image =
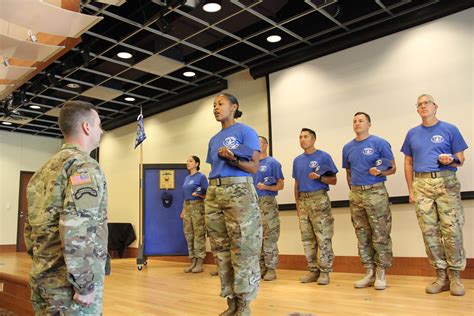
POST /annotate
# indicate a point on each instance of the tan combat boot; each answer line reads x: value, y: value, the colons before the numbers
x: 270, y: 275
x: 380, y: 281
x: 214, y: 273
x: 323, y: 278
x: 455, y: 284
x: 312, y: 276
x: 441, y: 284
x: 367, y: 280
x: 232, y: 307
x: 198, y: 267
x: 243, y: 307
x: 190, y: 268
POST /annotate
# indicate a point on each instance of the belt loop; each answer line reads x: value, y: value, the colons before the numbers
x: 433, y: 175
x: 218, y: 182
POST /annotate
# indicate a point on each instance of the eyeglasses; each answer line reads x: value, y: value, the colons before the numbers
x: 420, y: 104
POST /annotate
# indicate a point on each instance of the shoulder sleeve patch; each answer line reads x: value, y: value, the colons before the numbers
x: 80, y: 179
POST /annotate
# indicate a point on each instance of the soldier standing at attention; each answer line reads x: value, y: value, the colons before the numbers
x: 314, y: 171
x: 364, y: 158
x: 232, y: 214
x: 433, y: 152
x: 66, y: 229
x: 194, y: 189
x: 268, y: 181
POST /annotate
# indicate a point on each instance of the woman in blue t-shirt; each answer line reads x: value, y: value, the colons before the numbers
x: 194, y: 189
x: 232, y: 214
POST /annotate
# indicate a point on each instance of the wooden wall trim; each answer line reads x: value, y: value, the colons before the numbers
x: 7, y: 248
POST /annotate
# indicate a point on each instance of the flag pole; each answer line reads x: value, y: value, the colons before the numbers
x: 141, y: 259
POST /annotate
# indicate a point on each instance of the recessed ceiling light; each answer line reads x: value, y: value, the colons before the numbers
x: 35, y: 107
x: 129, y: 99
x: 212, y: 6
x: 274, y: 38
x: 6, y: 123
x: 124, y: 55
x: 189, y: 73
x: 73, y: 85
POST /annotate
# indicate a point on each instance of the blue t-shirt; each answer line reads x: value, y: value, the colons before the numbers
x: 360, y: 156
x: 425, y: 144
x: 269, y: 171
x: 304, y: 164
x: 230, y: 137
x: 192, y: 183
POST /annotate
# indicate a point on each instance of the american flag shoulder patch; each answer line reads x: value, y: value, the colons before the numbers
x: 79, y: 179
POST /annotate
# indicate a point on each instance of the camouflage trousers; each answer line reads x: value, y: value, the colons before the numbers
x: 441, y: 218
x: 235, y: 232
x: 317, y: 228
x: 372, y: 221
x: 271, y: 231
x: 58, y: 301
x: 195, y: 228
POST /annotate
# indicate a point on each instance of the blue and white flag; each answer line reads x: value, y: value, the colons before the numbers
x: 141, y: 136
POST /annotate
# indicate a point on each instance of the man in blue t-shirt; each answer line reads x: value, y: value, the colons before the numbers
x: 433, y: 152
x: 268, y: 181
x: 363, y: 159
x: 314, y: 171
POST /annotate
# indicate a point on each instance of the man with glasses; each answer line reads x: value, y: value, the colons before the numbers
x: 433, y: 152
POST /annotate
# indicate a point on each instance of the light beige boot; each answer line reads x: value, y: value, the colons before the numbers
x: 198, y: 267
x: 455, y: 284
x: 380, y: 281
x: 243, y: 307
x: 191, y: 267
x: 441, y: 284
x: 323, y: 278
x: 367, y: 280
x: 231, y: 307
x: 270, y: 275
x: 312, y: 276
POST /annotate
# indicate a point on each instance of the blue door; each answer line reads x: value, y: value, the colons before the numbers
x: 162, y: 227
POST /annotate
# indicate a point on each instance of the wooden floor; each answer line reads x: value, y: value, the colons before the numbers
x: 161, y: 288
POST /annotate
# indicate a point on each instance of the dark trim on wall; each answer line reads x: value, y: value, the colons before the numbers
x: 7, y: 248
x: 269, y: 116
x: 467, y: 195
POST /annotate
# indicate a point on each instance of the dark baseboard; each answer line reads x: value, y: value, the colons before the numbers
x: 7, y: 248
x: 417, y: 266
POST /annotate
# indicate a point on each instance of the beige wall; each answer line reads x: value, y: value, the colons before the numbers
x: 18, y: 152
x: 178, y: 133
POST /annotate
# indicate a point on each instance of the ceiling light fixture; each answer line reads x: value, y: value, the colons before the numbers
x: 274, y: 38
x: 35, y: 107
x: 73, y: 85
x: 124, y: 55
x: 189, y: 74
x: 6, y: 123
x: 129, y: 99
x: 212, y: 6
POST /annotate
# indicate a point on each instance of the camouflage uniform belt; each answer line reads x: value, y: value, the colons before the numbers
x: 366, y: 187
x: 310, y: 194
x: 435, y: 174
x: 230, y: 180
x: 187, y: 202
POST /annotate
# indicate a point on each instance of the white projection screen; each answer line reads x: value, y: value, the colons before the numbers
x: 383, y: 78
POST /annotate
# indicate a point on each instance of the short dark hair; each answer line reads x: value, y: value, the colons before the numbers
x: 198, y: 161
x: 265, y: 141
x: 233, y: 100
x: 73, y: 114
x: 365, y: 114
x: 309, y: 130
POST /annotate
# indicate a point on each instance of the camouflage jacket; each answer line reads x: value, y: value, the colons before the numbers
x: 66, y: 228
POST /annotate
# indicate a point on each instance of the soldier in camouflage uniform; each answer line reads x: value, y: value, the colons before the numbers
x: 232, y: 214
x: 314, y: 171
x: 368, y: 161
x: 268, y: 181
x: 66, y: 229
x: 433, y: 152
x: 194, y: 190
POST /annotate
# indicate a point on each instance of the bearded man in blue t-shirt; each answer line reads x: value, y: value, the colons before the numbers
x: 433, y: 152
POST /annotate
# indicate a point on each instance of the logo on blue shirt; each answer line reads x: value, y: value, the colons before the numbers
x: 368, y: 151
x: 378, y: 162
x: 231, y: 142
x: 437, y: 139
x: 191, y: 182
x: 262, y: 168
x: 314, y: 164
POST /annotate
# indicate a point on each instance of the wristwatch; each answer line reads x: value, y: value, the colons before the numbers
x: 234, y: 162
